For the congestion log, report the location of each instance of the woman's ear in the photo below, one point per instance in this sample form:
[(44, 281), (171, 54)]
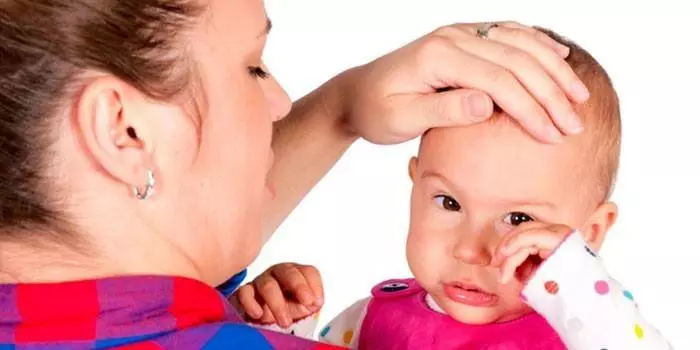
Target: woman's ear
[(598, 224), (412, 168), (110, 122)]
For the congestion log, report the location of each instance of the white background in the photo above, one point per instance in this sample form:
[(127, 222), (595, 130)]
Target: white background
[(353, 224)]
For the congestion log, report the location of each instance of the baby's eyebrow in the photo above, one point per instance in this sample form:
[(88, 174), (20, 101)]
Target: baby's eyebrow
[(528, 203), (431, 173)]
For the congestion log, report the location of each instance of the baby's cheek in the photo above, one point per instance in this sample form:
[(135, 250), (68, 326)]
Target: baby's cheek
[(426, 256)]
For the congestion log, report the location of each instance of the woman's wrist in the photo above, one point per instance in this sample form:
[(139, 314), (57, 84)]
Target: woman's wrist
[(336, 98)]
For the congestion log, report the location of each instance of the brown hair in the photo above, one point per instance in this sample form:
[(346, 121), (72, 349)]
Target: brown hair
[(45, 45), (600, 114)]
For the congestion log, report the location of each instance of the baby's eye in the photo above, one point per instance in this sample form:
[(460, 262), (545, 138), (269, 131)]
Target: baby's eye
[(516, 218), (448, 203)]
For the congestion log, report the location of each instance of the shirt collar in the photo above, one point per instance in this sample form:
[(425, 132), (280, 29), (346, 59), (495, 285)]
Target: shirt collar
[(110, 308)]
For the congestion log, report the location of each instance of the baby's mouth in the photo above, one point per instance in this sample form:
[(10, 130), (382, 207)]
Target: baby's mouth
[(469, 294)]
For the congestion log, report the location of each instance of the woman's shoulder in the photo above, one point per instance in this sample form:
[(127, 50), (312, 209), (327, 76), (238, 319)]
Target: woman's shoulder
[(231, 335)]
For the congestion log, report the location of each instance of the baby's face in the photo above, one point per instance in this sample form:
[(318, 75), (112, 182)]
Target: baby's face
[(471, 186)]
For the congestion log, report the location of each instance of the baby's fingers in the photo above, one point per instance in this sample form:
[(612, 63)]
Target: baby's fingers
[(271, 293), (545, 239), (313, 277), (514, 261), (268, 317), (292, 280), (296, 312), (247, 301)]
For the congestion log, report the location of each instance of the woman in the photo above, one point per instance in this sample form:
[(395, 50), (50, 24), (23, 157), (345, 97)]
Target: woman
[(136, 138)]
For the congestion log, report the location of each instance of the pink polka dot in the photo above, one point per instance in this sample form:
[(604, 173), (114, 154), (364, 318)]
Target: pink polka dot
[(551, 287), (602, 287)]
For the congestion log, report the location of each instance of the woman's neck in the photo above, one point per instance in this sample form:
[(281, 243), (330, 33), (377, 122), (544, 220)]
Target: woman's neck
[(30, 263), (23, 262)]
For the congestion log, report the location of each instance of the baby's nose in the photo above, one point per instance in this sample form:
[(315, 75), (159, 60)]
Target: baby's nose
[(473, 250)]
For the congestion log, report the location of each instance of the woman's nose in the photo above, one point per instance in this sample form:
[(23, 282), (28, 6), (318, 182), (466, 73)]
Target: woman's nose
[(280, 103)]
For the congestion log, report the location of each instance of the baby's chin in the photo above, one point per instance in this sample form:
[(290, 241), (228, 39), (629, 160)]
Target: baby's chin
[(481, 315)]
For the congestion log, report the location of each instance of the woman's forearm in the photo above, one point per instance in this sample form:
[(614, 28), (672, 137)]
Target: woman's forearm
[(307, 144)]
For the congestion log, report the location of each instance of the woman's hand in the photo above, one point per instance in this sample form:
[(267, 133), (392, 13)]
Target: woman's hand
[(453, 77), (283, 294), (525, 248)]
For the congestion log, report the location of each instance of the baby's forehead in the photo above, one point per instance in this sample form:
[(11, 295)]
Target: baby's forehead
[(500, 133), (501, 157), (500, 146)]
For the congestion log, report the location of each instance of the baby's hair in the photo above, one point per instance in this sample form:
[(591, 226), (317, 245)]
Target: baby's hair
[(600, 141), (601, 117)]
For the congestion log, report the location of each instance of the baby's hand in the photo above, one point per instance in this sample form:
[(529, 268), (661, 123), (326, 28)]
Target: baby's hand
[(524, 249), (283, 294)]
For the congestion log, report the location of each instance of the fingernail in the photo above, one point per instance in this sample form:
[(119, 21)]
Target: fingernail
[(318, 302), (554, 135), (574, 124), (308, 299), (580, 91), (563, 50), (478, 106), (286, 321)]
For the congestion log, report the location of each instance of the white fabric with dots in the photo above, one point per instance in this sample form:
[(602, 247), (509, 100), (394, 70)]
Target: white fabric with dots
[(303, 328), (587, 308), (344, 329)]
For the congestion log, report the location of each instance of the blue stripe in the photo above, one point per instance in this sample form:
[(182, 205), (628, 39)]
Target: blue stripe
[(229, 287), (108, 343), (238, 336)]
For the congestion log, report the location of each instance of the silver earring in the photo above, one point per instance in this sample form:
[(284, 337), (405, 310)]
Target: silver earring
[(148, 189)]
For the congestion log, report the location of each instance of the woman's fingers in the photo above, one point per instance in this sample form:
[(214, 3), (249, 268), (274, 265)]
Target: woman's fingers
[(467, 70), (541, 69)]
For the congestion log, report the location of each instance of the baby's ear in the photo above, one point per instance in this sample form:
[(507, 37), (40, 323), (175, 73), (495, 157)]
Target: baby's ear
[(412, 168), (598, 225)]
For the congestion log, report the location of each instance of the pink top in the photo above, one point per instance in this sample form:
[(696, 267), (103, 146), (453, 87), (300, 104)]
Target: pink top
[(399, 318)]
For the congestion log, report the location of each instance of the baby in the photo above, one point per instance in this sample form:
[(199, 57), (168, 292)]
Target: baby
[(502, 244)]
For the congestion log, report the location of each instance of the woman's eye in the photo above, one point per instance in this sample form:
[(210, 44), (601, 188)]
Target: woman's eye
[(517, 218), (258, 72), (448, 203)]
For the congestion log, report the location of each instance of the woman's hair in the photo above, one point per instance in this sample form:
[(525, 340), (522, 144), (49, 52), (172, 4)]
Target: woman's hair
[(45, 47)]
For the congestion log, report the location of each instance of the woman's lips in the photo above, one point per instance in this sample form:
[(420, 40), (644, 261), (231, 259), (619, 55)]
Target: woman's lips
[(470, 295)]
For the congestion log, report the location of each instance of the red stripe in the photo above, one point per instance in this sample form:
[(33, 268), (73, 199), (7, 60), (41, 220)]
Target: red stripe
[(149, 345), (57, 312), (195, 303)]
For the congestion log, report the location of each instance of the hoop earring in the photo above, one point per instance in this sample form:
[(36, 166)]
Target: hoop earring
[(148, 189)]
